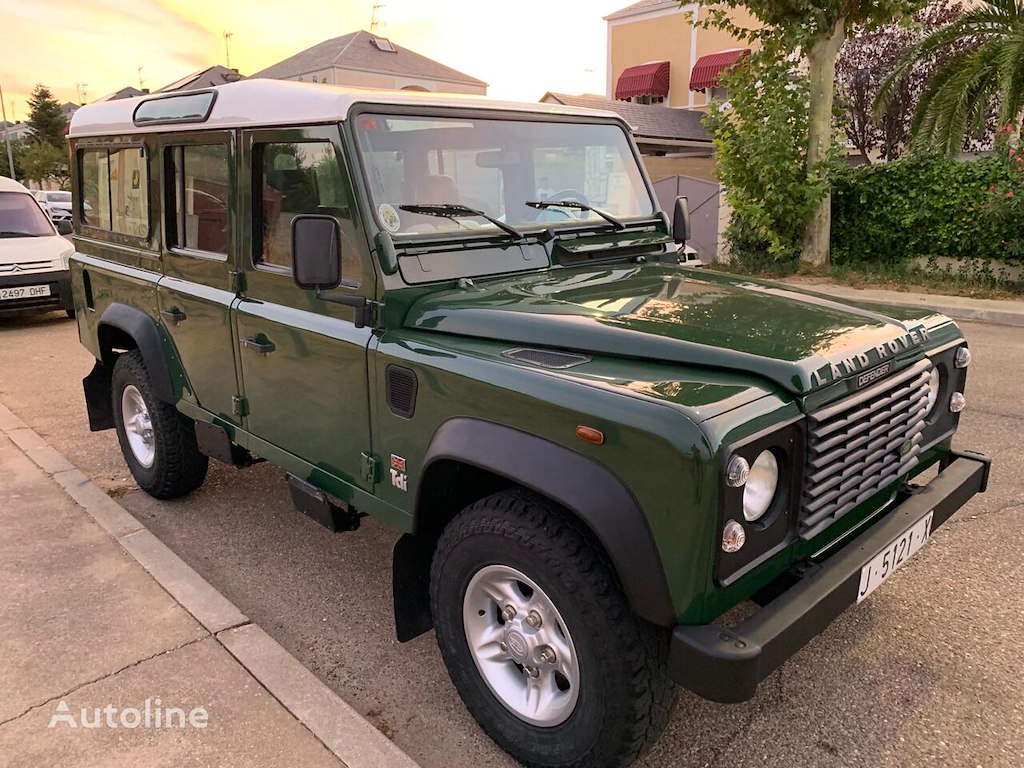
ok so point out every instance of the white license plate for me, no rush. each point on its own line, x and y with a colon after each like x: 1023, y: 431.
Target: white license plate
x: 24, y: 292
x: 882, y: 566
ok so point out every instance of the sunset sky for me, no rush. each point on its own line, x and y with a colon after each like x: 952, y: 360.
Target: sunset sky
x: 521, y: 48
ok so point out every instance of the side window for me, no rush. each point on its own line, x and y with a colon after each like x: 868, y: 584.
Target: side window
x: 198, y: 181
x: 115, y: 184
x: 297, y: 178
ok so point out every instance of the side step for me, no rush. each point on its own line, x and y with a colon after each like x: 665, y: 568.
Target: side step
x: 311, y: 501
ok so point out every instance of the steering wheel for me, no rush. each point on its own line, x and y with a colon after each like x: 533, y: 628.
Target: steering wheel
x: 564, y: 213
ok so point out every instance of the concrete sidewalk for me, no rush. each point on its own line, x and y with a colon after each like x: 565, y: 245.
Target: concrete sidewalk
x: 106, y: 637
x: 999, y: 311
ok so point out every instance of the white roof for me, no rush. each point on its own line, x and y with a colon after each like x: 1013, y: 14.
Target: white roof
x: 10, y: 185
x: 255, y: 102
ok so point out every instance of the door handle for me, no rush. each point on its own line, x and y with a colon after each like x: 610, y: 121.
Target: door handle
x: 258, y: 344
x: 173, y: 315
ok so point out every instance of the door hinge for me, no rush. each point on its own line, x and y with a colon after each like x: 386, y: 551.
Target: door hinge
x: 239, y: 406
x: 236, y: 281
x: 370, y: 467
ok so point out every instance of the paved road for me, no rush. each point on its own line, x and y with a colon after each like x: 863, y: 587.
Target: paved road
x: 925, y: 673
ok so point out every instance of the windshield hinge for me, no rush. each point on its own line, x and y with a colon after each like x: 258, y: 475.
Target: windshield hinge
x: 370, y: 468
x: 236, y: 281
x: 239, y: 406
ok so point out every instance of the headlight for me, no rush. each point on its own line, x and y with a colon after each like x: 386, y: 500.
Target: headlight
x: 64, y: 257
x: 761, y: 485
x: 962, y: 358
x: 933, y: 389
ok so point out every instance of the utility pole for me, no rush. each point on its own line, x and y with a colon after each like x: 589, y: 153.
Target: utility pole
x: 227, y: 49
x: 81, y: 92
x: 7, y: 135
x: 141, y: 81
x: 375, y: 22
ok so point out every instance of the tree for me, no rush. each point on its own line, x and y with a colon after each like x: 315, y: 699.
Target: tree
x: 958, y: 99
x: 45, y: 118
x: 42, y: 161
x: 17, y: 149
x: 815, y: 30
x: 867, y: 57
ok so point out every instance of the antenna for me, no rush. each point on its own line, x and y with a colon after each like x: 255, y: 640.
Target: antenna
x: 141, y: 81
x: 375, y: 22
x: 227, y: 49
x: 82, y: 94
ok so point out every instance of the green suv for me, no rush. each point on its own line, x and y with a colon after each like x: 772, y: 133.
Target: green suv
x: 468, y: 318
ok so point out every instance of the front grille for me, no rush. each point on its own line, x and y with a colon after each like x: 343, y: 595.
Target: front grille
x: 27, y: 266
x: 861, y: 444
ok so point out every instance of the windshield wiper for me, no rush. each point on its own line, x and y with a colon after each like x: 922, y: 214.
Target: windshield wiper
x: 576, y: 205
x: 455, y: 211
x: 9, y: 233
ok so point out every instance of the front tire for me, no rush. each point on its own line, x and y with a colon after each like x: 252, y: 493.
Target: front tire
x: 539, y: 638
x: 158, y: 442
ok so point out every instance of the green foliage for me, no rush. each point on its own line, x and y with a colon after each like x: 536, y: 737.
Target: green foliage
x: 761, y: 144
x: 959, y: 98
x: 45, y: 118
x: 17, y: 149
x: 927, y: 207
x: 41, y: 162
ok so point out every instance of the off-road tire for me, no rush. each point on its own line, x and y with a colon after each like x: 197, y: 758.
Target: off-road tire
x: 625, y: 697
x: 178, y: 467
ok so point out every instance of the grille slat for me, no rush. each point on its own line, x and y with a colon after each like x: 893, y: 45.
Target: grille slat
x: 856, y: 447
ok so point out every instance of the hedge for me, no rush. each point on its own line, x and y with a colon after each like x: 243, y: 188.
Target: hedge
x: 890, y: 213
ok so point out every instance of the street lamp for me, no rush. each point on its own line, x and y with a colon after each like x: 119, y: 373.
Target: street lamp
x: 7, y: 134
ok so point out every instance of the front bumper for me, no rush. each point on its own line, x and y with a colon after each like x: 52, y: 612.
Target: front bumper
x: 60, y: 291
x: 726, y: 665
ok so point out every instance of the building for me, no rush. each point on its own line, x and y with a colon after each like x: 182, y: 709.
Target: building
x: 365, y: 60
x: 128, y: 92
x: 15, y: 131
x: 658, y: 53
x: 204, y: 78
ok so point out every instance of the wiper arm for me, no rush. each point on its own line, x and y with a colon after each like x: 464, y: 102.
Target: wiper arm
x: 9, y: 233
x: 576, y: 205
x: 455, y: 211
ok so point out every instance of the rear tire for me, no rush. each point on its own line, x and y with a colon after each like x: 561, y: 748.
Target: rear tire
x: 158, y: 442
x: 601, y: 696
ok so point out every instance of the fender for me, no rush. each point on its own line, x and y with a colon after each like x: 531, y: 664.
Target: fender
x: 144, y: 331
x: 585, y: 487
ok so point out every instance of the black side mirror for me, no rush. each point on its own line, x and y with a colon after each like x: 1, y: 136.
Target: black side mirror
x: 64, y: 227
x: 681, y: 221
x: 316, y: 251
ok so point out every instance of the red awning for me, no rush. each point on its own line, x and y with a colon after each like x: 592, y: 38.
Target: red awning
x: 707, y: 69
x: 650, y: 79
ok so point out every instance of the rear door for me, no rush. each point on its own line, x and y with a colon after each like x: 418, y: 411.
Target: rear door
x: 303, y: 361
x: 200, y: 257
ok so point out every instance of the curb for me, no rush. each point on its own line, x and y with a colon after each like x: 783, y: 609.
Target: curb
x: 341, y: 729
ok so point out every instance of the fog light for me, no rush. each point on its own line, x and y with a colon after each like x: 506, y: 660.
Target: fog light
x: 733, y: 537
x: 737, y: 473
x: 957, y: 401
x: 962, y: 358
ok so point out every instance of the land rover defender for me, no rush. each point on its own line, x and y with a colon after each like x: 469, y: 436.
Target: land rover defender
x: 469, y: 319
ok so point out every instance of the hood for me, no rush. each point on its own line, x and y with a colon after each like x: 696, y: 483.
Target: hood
x: 799, y: 340
x: 20, y: 250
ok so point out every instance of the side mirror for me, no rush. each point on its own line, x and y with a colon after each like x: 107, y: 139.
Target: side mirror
x: 316, y: 251
x: 64, y: 227
x: 681, y: 220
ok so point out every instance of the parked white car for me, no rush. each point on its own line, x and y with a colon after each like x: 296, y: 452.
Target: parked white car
x: 33, y: 254
x: 56, y: 204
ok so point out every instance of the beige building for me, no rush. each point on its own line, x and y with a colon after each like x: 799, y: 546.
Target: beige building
x: 366, y: 60
x: 659, y: 54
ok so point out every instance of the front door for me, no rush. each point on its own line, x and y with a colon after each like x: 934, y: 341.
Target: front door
x: 195, y: 294
x: 303, y: 361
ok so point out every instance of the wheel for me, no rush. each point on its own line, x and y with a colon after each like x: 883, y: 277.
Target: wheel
x: 539, y: 640
x: 158, y: 442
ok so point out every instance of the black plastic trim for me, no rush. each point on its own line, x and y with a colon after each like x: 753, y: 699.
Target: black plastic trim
x: 144, y: 331
x: 580, y: 484
x: 726, y: 665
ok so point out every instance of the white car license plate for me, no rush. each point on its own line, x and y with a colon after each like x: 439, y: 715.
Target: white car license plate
x: 893, y: 556
x: 24, y: 292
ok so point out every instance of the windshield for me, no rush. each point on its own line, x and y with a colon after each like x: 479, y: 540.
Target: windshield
x: 496, y: 167
x: 58, y: 197
x: 20, y: 216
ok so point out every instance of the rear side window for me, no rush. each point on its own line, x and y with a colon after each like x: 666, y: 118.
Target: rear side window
x: 115, y: 184
x: 198, y: 177
x: 296, y: 178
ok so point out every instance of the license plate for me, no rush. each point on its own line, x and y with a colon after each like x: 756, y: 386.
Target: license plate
x: 882, y: 566
x: 24, y: 292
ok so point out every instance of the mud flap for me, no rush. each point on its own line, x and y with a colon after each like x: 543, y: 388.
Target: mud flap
x: 98, y: 399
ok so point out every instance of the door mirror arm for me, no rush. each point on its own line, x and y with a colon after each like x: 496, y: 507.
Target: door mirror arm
x: 360, y: 303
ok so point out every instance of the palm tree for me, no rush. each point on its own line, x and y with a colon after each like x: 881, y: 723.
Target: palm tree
x: 987, y: 65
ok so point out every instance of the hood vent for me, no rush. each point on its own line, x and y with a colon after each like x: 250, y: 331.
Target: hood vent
x: 545, y: 358
x: 400, y: 389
